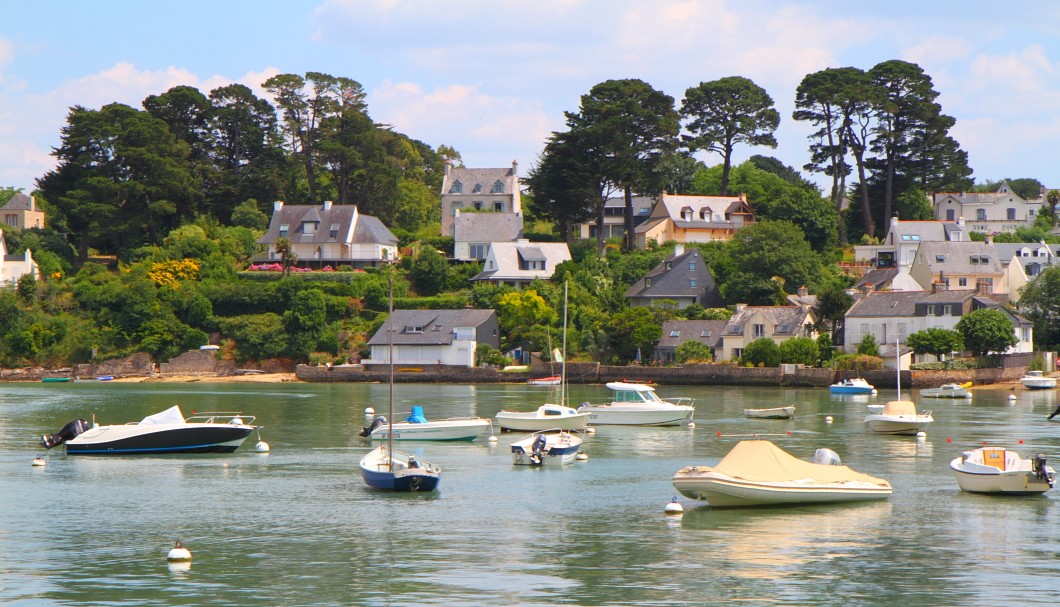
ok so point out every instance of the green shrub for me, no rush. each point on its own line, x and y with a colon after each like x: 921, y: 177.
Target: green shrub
x: 857, y: 362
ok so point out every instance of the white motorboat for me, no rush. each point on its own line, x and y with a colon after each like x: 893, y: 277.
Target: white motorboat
x: 545, y: 417
x: 898, y: 417
x: 417, y: 427
x: 1036, y: 380
x: 546, y: 449
x: 636, y: 404
x: 948, y: 391
x: 1000, y: 470
x: 772, y: 413
x: 165, y: 432
x: 549, y: 415
x: 758, y: 473
x: 852, y: 385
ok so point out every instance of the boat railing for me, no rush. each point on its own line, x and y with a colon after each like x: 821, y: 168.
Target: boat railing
x: 220, y: 417
x: 682, y: 400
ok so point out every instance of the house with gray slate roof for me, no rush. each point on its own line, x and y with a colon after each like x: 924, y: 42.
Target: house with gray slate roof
x: 614, y: 224
x: 471, y: 193
x: 330, y: 234
x: 677, y: 332
x: 891, y: 315
x: 519, y: 263
x: 682, y: 279
x: 778, y: 323
x: 989, y: 212
x: 423, y: 338
x: 21, y: 211
x: 960, y: 266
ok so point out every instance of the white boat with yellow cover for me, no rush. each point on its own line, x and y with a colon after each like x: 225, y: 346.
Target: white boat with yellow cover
x: 758, y: 473
x: 1000, y: 470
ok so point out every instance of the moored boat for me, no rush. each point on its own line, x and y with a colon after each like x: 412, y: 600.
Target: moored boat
x: 771, y: 413
x: 546, y: 449
x: 392, y: 470
x: 164, y: 432
x: 551, y: 380
x: 948, y: 391
x: 758, y: 473
x: 898, y: 417
x: 852, y: 385
x: 1036, y: 380
x: 638, y: 405
x: 1000, y: 470
x: 417, y: 427
x: 545, y: 417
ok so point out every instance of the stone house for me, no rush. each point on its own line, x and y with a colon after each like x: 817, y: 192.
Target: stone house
x: 433, y: 337
x: 681, y: 280
x: 779, y: 323
x: 330, y: 234
x: 474, y: 193
x: 22, y: 212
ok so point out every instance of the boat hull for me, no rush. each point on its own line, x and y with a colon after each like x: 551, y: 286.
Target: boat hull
x: 564, y: 418
x: 638, y: 415
x: 850, y: 390
x: 440, y: 430
x: 554, y: 380
x: 723, y: 491
x: 1009, y: 483
x: 774, y: 413
x: 1039, y: 384
x: 998, y: 470
x: 902, y: 425
x: 377, y: 474
x: 159, y: 438
x: 940, y: 393
x: 559, y: 449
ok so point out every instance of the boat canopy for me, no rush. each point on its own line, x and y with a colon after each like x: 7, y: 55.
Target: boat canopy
x: 171, y: 415
x: 633, y: 393
x: 417, y: 416
x: 899, y: 407
x: 762, y: 461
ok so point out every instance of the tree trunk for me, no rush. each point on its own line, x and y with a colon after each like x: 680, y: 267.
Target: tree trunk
x: 631, y: 238
x: 600, y: 241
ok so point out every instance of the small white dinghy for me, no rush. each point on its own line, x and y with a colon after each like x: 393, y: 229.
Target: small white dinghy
x: 546, y: 449
x: 773, y: 413
x: 1000, y: 470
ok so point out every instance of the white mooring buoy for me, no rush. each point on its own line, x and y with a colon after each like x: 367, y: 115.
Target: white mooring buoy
x: 921, y: 435
x: 590, y: 430
x: 492, y: 439
x: 262, y: 447
x: 179, y: 554
x: 828, y: 419
x: 582, y: 456
x: 691, y: 424
x: 1012, y: 397
x: 39, y: 461
x: 674, y: 507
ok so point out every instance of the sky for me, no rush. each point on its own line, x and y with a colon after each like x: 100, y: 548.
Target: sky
x: 492, y: 78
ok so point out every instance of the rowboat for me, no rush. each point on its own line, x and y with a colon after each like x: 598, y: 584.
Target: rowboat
x: 774, y: 413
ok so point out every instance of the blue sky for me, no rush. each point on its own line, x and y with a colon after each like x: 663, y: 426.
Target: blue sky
x: 492, y: 78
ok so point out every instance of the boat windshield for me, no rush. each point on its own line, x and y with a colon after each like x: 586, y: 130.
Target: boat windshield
x: 636, y: 396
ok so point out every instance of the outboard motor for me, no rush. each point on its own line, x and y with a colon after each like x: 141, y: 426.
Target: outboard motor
x: 379, y: 421
x: 826, y: 457
x: 69, y: 431
x: 1040, y: 471
x: 538, y: 449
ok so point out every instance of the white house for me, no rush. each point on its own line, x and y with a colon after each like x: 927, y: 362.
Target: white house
x: 13, y: 267
x: 433, y: 337
x: 330, y: 235
x: 520, y: 263
x: 989, y: 212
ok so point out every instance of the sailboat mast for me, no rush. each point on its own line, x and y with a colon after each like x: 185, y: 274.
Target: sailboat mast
x: 390, y: 383
x: 563, y: 376
x: 898, y: 366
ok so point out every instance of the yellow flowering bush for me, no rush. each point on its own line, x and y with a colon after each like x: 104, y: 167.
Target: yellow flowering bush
x: 173, y: 272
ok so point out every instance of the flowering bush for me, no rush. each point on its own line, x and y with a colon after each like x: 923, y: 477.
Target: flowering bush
x: 171, y: 273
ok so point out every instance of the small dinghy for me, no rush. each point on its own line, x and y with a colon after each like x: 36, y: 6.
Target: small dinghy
x: 1000, y: 470
x: 774, y: 413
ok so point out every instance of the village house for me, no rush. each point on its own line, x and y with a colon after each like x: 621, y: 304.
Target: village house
x: 989, y: 212
x: 687, y: 219
x: 21, y: 211
x: 480, y: 206
x: 960, y: 266
x: 892, y: 259
x: 681, y: 280
x: 677, y: 332
x: 13, y: 267
x: 519, y: 263
x: 422, y: 338
x: 330, y: 235
x: 615, y: 217
x: 778, y: 323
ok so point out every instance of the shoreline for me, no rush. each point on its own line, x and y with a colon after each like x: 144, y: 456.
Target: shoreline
x: 248, y: 378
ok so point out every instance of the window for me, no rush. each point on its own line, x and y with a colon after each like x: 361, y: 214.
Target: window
x: 498, y: 205
x: 477, y: 189
x: 477, y: 250
x: 950, y: 215
x: 759, y: 330
x: 940, y: 259
x: 309, y: 227
x: 962, y: 281
x: 477, y: 204
x: 414, y: 328
x: 675, y: 333
x: 334, y: 233
x: 784, y: 329
x: 647, y: 282
x: 692, y: 266
x: 498, y: 187
x: 1010, y: 214
x: 692, y: 283
x: 11, y: 220
x: 283, y: 230
x: 930, y: 309
x: 705, y: 333
x: 980, y: 214
x: 669, y: 265
x: 737, y: 352
x: 458, y: 188
x: 911, y: 237
x: 704, y: 214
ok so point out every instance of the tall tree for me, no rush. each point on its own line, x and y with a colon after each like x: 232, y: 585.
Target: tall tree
x: 628, y: 126
x: 726, y: 112
x: 301, y: 118
x: 566, y: 188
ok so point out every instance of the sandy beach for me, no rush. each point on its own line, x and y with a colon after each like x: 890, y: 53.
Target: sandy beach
x: 259, y: 378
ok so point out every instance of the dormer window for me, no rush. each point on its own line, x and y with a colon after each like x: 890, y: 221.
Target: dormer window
x: 705, y: 333
x: 309, y: 227
x: 686, y: 213
x: 458, y: 188
x: 704, y: 214
x: 477, y: 189
x: 414, y: 328
x: 334, y: 232
x: 284, y: 228
x: 498, y: 187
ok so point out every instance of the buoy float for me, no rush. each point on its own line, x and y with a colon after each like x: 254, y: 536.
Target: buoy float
x: 39, y: 461
x: 828, y: 419
x: 369, y: 413
x: 691, y: 424
x: 582, y: 456
x: 179, y: 553
x: 674, y: 507
x: 921, y: 435
x: 590, y: 430
x: 491, y: 439
x: 262, y: 447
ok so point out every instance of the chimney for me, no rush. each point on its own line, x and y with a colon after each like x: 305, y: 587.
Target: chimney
x: 679, y: 250
x: 515, y: 168
x: 277, y: 206
x: 803, y: 291
x: 938, y: 286
x: 448, y: 166
x: 743, y: 197
x: 867, y: 288
x: 327, y: 205
x: 736, y: 309
x: 960, y: 221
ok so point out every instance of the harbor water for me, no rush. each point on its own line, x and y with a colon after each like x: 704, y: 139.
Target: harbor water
x: 297, y: 526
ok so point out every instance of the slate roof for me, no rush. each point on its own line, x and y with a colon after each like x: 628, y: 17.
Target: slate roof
x: 879, y: 278
x: 777, y: 316
x: 20, y: 202
x: 708, y: 332
x: 676, y: 282
x: 902, y: 304
x: 487, y: 227
x: 925, y: 231
x: 368, y: 229
x: 437, y: 326
x: 1007, y: 251
x: 507, y: 255
x: 957, y: 257
x: 485, y: 178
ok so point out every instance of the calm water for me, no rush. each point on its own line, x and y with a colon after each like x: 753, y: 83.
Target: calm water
x: 298, y: 527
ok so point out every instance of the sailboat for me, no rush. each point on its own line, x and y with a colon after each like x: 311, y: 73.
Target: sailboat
x: 383, y: 467
x: 898, y: 416
x: 554, y: 444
